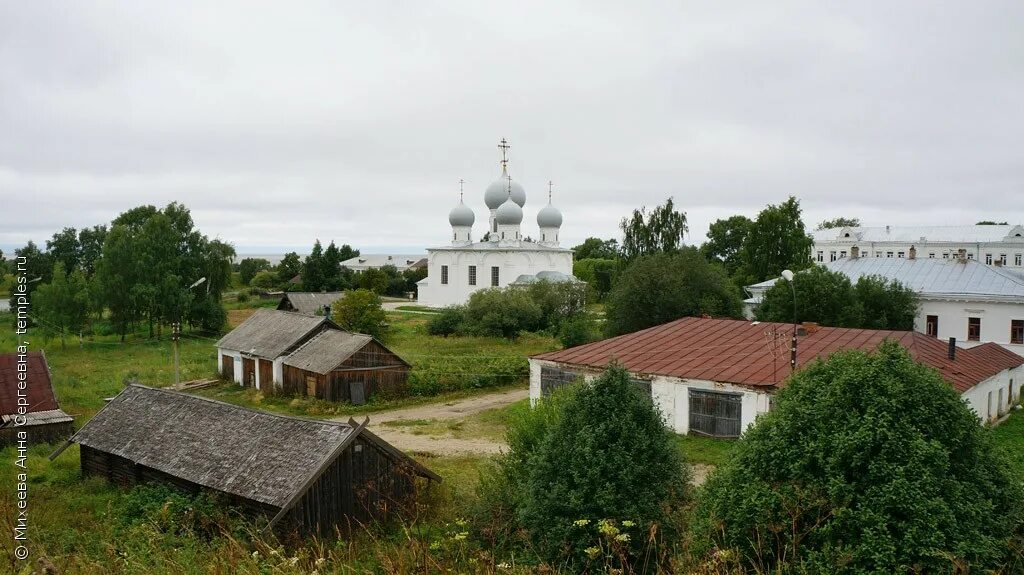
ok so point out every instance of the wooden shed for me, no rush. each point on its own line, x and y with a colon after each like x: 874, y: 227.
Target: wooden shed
x: 34, y: 409
x: 309, y: 303
x: 343, y: 366
x: 306, y: 475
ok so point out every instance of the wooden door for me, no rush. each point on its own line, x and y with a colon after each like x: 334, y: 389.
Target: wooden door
x: 227, y: 367
x: 266, y: 375
x: 248, y: 372
x: 310, y: 386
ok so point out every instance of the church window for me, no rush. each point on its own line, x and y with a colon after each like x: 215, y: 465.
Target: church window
x: 472, y: 275
x: 444, y: 275
x: 494, y: 276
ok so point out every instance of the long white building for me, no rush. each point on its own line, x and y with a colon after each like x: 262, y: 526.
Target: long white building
x: 992, y: 245
x: 504, y: 256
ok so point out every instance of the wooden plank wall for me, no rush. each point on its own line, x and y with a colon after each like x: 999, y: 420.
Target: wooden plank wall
x: 266, y: 369
x: 389, y: 380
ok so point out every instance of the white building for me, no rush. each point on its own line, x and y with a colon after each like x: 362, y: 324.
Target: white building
x: 365, y: 262
x: 503, y: 256
x: 1002, y: 244
x: 715, y: 376
x: 960, y: 298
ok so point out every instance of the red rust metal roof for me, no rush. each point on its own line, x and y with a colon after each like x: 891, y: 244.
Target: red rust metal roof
x: 757, y: 353
x: 40, y: 390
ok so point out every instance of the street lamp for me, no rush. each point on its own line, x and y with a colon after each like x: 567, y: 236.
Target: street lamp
x: 788, y: 276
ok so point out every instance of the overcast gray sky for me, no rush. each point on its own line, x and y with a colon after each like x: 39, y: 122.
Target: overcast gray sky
x: 278, y: 123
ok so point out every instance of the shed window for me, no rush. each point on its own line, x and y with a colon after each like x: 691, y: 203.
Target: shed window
x: 1017, y: 331
x: 552, y: 378
x: 494, y: 276
x: 444, y: 275
x: 714, y: 413
x: 472, y: 275
x: 974, y: 329
x: 932, y: 325
x: 643, y: 385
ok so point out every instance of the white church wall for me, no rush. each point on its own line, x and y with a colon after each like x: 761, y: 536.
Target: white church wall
x: 511, y: 263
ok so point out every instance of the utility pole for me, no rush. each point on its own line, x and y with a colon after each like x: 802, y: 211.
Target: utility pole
x: 176, y: 327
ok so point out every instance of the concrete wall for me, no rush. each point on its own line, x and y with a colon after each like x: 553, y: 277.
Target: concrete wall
x: 512, y: 263
x: 278, y: 368
x: 995, y: 321
x: 237, y: 360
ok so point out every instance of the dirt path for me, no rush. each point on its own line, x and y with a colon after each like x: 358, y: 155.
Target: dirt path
x: 407, y: 440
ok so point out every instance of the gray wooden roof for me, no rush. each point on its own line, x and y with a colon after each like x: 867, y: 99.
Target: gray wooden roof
x: 269, y: 333
x: 310, y: 303
x: 253, y: 454
x: 328, y: 350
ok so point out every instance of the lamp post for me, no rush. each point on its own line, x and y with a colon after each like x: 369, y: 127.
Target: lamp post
x: 176, y: 335
x: 788, y: 276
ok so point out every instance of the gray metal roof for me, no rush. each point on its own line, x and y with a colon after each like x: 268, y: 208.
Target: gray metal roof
x: 269, y: 333
x: 547, y: 275
x: 327, y: 350
x: 922, y: 234
x: 253, y: 454
x: 937, y: 277
x: 309, y: 303
x: 400, y: 261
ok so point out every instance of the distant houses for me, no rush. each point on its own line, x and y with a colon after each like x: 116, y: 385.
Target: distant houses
x: 990, y: 244
x: 365, y: 262
x: 714, y: 376
x: 305, y: 475
x: 42, y: 420
x: 292, y: 353
x: 309, y: 303
x: 960, y: 297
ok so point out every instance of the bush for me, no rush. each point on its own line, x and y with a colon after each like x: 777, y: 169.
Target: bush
x: 361, y: 311
x: 170, y: 510
x: 243, y: 297
x: 265, y: 280
x: 868, y: 464
x: 502, y: 313
x: 607, y: 457
x: 448, y: 322
x: 578, y: 331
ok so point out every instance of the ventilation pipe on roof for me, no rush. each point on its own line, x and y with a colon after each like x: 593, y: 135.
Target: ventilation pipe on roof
x: 952, y: 349
x: 854, y: 252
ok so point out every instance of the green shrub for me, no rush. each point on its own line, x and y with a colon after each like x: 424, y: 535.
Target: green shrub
x: 502, y: 313
x: 870, y: 463
x: 608, y: 456
x: 578, y: 331
x: 243, y: 297
x: 361, y: 311
x: 448, y: 322
x: 170, y: 510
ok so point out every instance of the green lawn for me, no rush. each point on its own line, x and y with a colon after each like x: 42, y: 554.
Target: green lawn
x: 1009, y: 437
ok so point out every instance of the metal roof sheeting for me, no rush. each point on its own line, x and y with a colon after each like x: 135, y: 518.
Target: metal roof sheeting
x: 757, y: 353
x: 937, y: 277
x: 38, y: 384
x: 327, y: 350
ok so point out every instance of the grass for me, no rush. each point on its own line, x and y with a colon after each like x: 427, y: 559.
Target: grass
x: 417, y: 308
x: 1009, y: 438
x: 490, y: 424
x: 704, y: 450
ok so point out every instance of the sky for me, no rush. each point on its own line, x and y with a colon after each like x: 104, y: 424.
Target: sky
x: 278, y: 123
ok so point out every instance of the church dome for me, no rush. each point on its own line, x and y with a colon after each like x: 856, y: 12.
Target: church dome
x: 497, y: 192
x: 461, y: 215
x: 549, y: 217
x: 509, y: 212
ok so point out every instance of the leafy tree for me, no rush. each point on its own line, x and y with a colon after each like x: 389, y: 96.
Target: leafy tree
x: 597, y: 273
x: 725, y: 242
x: 90, y: 242
x: 448, y: 321
x: 502, y: 313
x: 249, y: 267
x: 64, y: 247
x: 332, y: 267
x: 289, y: 267
x: 38, y: 264
x: 869, y: 463
x: 822, y: 296
x: 346, y: 252
x: 663, y: 287
x: 62, y: 305
x: 886, y: 304
x: 361, y: 311
x: 313, y: 278
x: 839, y: 223
x: 608, y: 456
x: 265, y: 280
x: 558, y: 302
x: 376, y: 280
x: 596, y: 248
x: 661, y: 230
x: 776, y: 241
x: 119, y: 272
x: 413, y: 275
x: 578, y: 331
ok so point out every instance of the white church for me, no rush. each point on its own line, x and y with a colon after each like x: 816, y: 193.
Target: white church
x: 503, y: 256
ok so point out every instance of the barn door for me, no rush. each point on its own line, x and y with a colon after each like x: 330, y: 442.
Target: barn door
x: 714, y: 413
x: 310, y: 386
x: 266, y: 375
x: 357, y: 391
x: 248, y: 372
x: 227, y: 367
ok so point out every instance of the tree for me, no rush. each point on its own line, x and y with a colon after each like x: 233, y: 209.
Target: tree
x: 596, y: 248
x: 822, y: 296
x: 725, y: 242
x: 38, y: 264
x: 608, y: 457
x: 62, y: 305
x: 660, y: 231
x: 264, y: 280
x: 119, y: 272
x: 376, y: 280
x: 412, y: 276
x: 663, y: 287
x: 776, y: 241
x: 249, y: 267
x: 64, y: 247
x: 346, y: 252
x: 361, y: 311
x: 886, y: 304
x: 289, y: 267
x: 331, y: 265
x: 90, y: 242
x: 839, y: 223
x: 868, y: 462
x: 597, y: 273
x: 500, y: 312
x: 313, y: 270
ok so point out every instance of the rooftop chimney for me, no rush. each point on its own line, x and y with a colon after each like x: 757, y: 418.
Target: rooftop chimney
x: 952, y: 349
x: 961, y: 254
x: 886, y: 229
x: 912, y: 254
x: 854, y: 252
